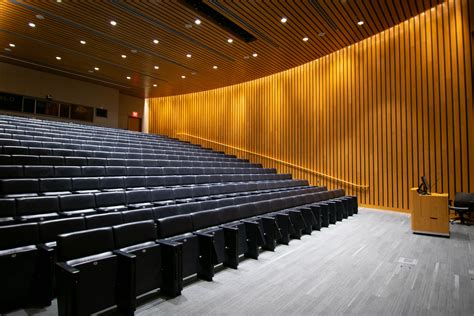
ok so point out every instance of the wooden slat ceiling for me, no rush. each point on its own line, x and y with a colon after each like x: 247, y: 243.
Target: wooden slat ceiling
x: 328, y: 25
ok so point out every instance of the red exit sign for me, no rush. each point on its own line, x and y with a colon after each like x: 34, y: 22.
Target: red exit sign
x: 134, y: 114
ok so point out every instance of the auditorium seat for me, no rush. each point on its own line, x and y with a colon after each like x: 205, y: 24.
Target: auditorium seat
x: 77, y: 204
x: 23, y: 271
x: 89, y: 278
x: 139, y: 240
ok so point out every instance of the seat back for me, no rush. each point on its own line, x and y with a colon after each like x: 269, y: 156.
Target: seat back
x: 134, y: 233
x: 84, y: 243
x: 174, y: 225
x: 103, y: 220
x: 49, y: 230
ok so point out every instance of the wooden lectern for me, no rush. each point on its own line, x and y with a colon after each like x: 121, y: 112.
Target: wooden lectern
x: 429, y: 213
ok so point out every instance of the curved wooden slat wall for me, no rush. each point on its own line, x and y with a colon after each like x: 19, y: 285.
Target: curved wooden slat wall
x: 381, y: 112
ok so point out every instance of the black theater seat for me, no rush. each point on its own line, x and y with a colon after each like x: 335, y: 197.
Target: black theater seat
x: 139, y: 239
x: 55, y: 186
x: 103, y: 220
x: 24, y: 268
x: 110, y: 201
x: 37, y: 208
x: 77, y: 204
x: 89, y: 278
x: 7, y: 211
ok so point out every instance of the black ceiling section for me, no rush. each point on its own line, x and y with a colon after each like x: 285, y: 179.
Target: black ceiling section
x: 218, y: 19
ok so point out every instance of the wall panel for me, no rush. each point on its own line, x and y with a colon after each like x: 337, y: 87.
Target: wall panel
x: 381, y: 112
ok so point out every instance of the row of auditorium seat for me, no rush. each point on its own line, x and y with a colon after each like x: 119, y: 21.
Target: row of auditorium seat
x: 18, y: 235
x: 17, y: 187
x: 75, y: 130
x: 52, y: 170
x: 70, y: 129
x: 189, y: 244
x: 37, y: 148
x: 38, y: 208
x: 104, y: 146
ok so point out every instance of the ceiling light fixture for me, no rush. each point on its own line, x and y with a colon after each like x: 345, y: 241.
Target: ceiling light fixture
x: 128, y: 77
x: 7, y: 49
x: 58, y: 58
x: 254, y: 54
x: 283, y: 20
x: 31, y: 24
x: 39, y: 17
x: 321, y: 34
x: 230, y: 41
x: 134, y: 51
x: 197, y: 21
x: 305, y: 39
x: 183, y: 77
x: 96, y: 68
x: 113, y: 23
x: 155, y: 85
x: 156, y: 67
x: 155, y: 41
x: 360, y: 23
x: 188, y: 55
x: 215, y: 67
x: 124, y: 56
x: 83, y: 42
x: 59, y: 1
x: 11, y: 45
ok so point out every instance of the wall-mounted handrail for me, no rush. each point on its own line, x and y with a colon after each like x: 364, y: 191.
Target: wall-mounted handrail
x: 358, y: 186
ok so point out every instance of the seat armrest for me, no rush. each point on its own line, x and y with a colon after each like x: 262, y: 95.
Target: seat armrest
x: 126, y: 293
x: 67, y: 269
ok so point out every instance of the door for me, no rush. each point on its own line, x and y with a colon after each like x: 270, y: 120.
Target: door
x: 134, y: 124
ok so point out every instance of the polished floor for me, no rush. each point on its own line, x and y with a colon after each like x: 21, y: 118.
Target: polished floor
x: 369, y: 264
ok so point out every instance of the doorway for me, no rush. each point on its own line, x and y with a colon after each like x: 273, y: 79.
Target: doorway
x: 134, y: 124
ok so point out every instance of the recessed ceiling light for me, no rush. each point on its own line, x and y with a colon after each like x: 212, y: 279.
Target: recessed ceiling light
x: 188, y: 26
x: 155, y: 85
x: 157, y: 67
x: 31, y: 24
x: 183, y: 77
x: 188, y: 55
x: 113, y: 23
x: 321, y: 34
x: 58, y: 58
x: 128, y: 77
x: 360, y: 23
x: 194, y: 73
x: 124, y: 56
x: 155, y: 41
x: 8, y: 49
x: 96, y: 68
x: 39, y: 17
x: 230, y: 41
x: 254, y: 54
x: 83, y: 42
x: 134, y: 51
x: 215, y: 67
x: 305, y: 39
x: 59, y: 1
x: 11, y: 45
x: 91, y: 71
x: 246, y: 57
x: 197, y: 21
x: 283, y: 20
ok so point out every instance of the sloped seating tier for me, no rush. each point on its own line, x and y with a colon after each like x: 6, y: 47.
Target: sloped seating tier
x: 36, y: 247
x: 95, y: 178
x: 18, y: 123
x: 110, y: 198
x: 36, y: 147
x: 194, y: 251
x: 124, y: 213
x: 47, y: 132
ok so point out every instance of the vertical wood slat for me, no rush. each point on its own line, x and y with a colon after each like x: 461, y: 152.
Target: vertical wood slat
x: 381, y: 112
